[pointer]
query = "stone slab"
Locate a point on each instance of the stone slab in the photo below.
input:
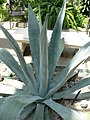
(73, 39)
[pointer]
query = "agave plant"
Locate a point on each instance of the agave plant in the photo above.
(40, 94)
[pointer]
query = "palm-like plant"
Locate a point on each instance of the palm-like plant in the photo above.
(40, 93)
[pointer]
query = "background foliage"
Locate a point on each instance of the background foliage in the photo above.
(74, 18)
(4, 16)
(77, 12)
(2, 1)
(85, 7)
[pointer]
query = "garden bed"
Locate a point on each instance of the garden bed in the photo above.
(9, 84)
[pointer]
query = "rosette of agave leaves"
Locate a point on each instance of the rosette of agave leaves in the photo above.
(40, 95)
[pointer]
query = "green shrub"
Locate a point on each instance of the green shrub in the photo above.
(73, 17)
(2, 1)
(40, 93)
(85, 7)
(4, 14)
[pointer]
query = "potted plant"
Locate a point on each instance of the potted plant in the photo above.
(41, 92)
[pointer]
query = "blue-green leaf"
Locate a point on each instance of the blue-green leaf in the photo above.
(12, 106)
(56, 45)
(31, 72)
(82, 83)
(43, 60)
(39, 112)
(2, 100)
(27, 110)
(8, 59)
(15, 46)
(34, 34)
(62, 78)
(81, 96)
(65, 113)
(47, 116)
(31, 116)
(53, 58)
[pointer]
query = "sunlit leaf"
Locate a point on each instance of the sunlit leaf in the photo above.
(65, 113)
(15, 46)
(13, 105)
(43, 60)
(34, 33)
(39, 112)
(82, 83)
(27, 110)
(62, 78)
(13, 65)
(56, 45)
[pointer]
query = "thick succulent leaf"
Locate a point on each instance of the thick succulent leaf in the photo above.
(81, 96)
(31, 116)
(26, 111)
(56, 44)
(2, 100)
(34, 34)
(53, 58)
(34, 85)
(39, 112)
(43, 60)
(31, 71)
(62, 78)
(8, 59)
(65, 113)
(15, 46)
(47, 116)
(12, 106)
(82, 83)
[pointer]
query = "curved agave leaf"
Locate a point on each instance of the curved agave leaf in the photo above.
(1, 101)
(12, 106)
(8, 59)
(34, 34)
(82, 83)
(39, 112)
(30, 71)
(47, 115)
(82, 96)
(56, 45)
(43, 60)
(31, 116)
(53, 60)
(62, 78)
(33, 84)
(26, 111)
(65, 113)
(15, 46)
